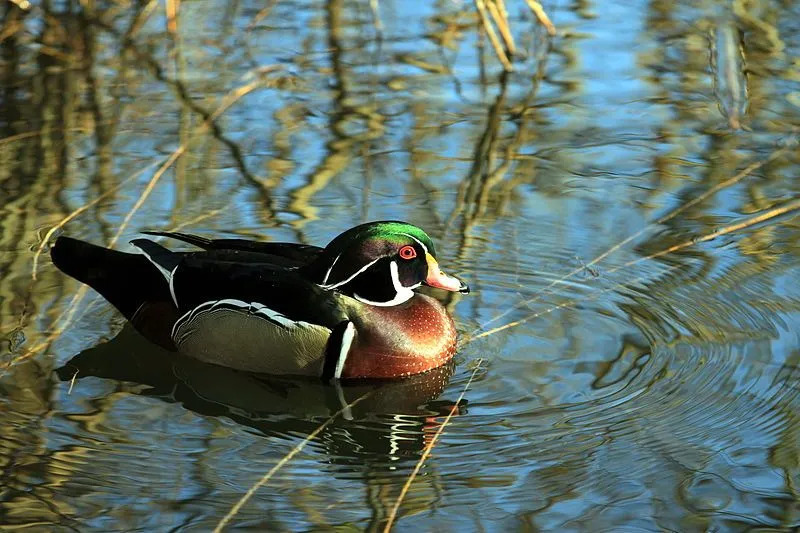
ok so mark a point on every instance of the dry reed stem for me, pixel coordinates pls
(427, 451)
(25, 135)
(285, 459)
(487, 26)
(229, 99)
(198, 218)
(745, 172)
(541, 16)
(770, 214)
(563, 305)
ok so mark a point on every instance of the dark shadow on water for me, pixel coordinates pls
(393, 422)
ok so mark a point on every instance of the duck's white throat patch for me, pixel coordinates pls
(402, 294)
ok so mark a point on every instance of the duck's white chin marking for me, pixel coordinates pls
(402, 294)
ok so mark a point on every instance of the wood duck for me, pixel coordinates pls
(346, 311)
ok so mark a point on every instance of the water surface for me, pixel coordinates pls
(634, 393)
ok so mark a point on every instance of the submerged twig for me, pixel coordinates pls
(427, 451)
(285, 459)
(749, 169)
(770, 214)
(767, 215)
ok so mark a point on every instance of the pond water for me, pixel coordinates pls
(654, 389)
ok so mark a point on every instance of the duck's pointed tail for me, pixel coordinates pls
(125, 280)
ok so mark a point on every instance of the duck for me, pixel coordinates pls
(350, 310)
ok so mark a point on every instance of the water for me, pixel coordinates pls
(634, 394)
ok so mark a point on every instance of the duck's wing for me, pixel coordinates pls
(243, 305)
(233, 313)
(300, 253)
(206, 278)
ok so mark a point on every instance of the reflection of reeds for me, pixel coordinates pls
(493, 14)
(172, 7)
(502, 24)
(60, 224)
(68, 315)
(541, 16)
(262, 14)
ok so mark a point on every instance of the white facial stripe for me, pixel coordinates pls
(402, 294)
(362, 269)
(419, 241)
(347, 340)
(348, 280)
(328, 273)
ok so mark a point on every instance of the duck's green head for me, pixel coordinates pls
(381, 263)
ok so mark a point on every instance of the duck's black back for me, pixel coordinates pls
(130, 280)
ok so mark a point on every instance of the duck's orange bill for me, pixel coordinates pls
(440, 280)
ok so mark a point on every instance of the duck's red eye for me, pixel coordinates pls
(408, 252)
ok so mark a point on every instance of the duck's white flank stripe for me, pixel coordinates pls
(347, 340)
(254, 308)
(402, 294)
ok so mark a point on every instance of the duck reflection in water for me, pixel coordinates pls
(393, 422)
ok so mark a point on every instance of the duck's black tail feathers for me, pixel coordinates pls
(125, 280)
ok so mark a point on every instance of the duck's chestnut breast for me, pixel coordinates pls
(401, 340)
